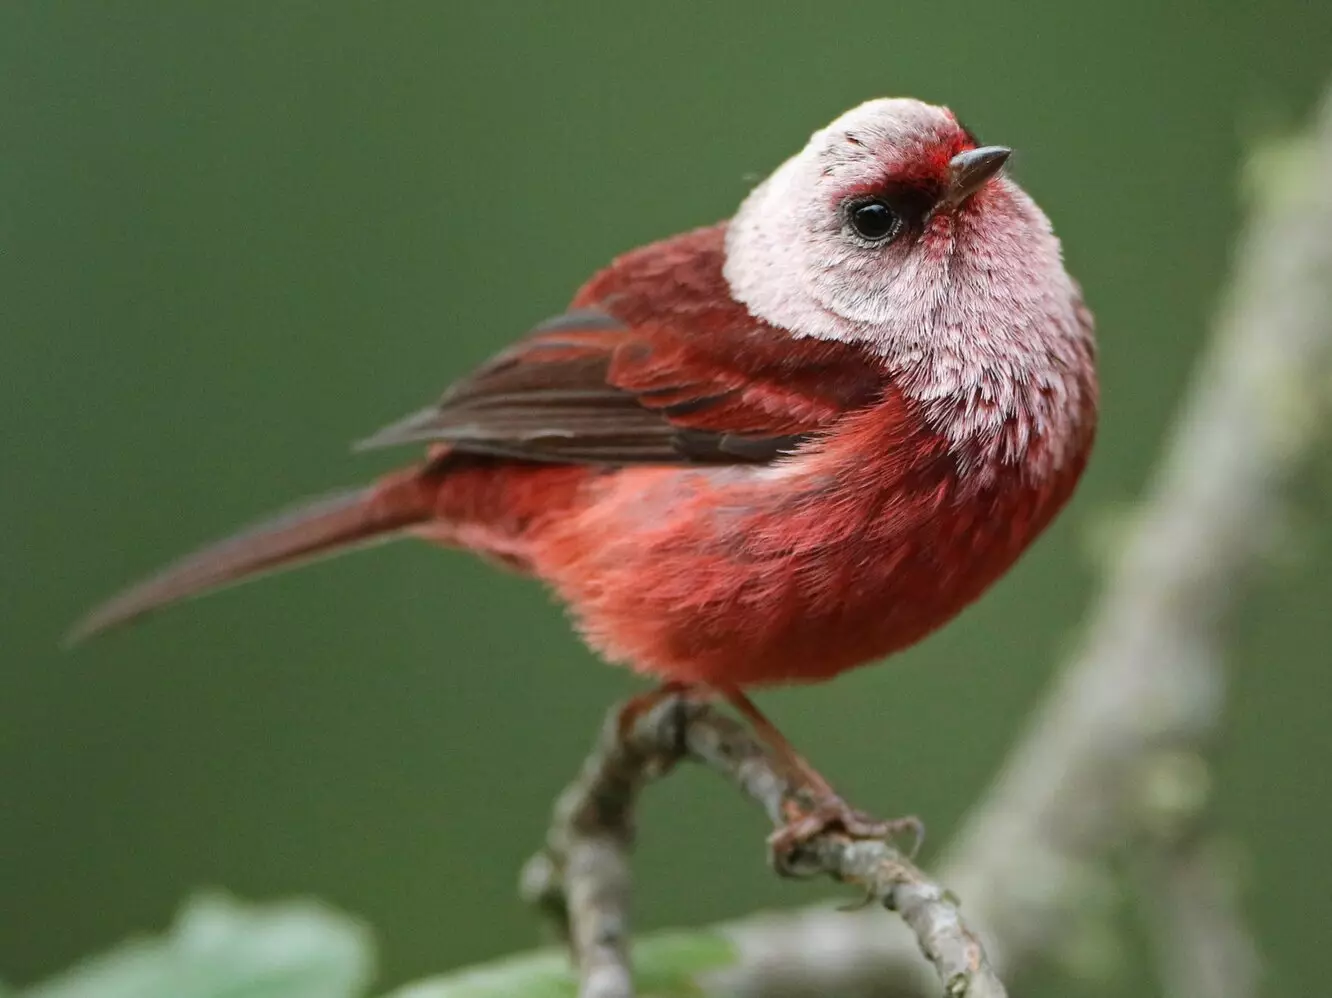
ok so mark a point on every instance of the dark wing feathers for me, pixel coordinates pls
(586, 388)
(547, 398)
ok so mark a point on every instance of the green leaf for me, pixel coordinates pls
(221, 948)
(666, 965)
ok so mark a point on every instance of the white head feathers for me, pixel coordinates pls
(973, 309)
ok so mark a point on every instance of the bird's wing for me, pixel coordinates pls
(587, 387)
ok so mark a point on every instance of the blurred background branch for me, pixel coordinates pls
(1204, 949)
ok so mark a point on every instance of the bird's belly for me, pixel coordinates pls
(724, 578)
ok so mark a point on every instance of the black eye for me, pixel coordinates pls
(874, 220)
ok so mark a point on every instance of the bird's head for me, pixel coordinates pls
(896, 229)
(892, 223)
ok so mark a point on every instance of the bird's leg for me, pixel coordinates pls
(824, 808)
(637, 705)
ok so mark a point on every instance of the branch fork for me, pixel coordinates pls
(582, 875)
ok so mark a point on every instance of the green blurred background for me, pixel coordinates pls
(235, 236)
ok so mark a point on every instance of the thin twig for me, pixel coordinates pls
(591, 832)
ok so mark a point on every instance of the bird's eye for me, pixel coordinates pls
(873, 221)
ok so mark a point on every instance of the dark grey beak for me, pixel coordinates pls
(968, 171)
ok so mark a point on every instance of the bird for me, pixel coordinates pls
(766, 450)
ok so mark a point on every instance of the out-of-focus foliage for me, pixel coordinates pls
(666, 965)
(218, 948)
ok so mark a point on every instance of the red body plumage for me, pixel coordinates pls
(706, 575)
(733, 476)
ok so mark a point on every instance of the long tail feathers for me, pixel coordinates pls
(327, 525)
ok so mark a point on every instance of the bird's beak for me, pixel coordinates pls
(968, 171)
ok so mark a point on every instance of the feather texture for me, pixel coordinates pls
(762, 451)
(309, 530)
(630, 382)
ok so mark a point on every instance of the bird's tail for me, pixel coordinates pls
(316, 528)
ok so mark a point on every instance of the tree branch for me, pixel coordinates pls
(591, 833)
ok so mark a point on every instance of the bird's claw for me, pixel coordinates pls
(834, 815)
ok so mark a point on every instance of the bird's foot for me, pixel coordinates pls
(832, 814)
